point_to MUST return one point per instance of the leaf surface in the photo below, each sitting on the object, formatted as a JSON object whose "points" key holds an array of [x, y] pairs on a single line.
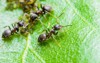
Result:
{"points": [[78, 43]]}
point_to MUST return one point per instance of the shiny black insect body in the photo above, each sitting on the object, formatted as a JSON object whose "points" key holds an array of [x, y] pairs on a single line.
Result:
{"points": [[9, 32], [53, 31], [36, 14], [6, 33], [45, 9]]}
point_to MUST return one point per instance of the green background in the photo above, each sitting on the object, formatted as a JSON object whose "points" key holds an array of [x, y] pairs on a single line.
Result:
{"points": [[79, 43]]}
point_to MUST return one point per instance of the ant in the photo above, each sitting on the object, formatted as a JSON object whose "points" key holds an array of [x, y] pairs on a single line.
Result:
{"points": [[9, 32], [45, 9], [53, 31]]}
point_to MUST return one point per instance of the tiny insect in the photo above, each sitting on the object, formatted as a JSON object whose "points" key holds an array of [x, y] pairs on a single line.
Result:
{"points": [[30, 2], [54, 31], [9, 32], [27, 5]]}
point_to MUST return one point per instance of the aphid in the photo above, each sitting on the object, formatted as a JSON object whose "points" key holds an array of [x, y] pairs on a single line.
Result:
{"points": [[26, 8], [53, 31], [25, 29], [27, 2], [27, 5], [30, 1]]}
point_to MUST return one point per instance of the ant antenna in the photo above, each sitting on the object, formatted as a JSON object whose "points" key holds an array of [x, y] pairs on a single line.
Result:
{"points": [[56, 41], [57, 20], [66, 25], [62, 12], [41, 23]]}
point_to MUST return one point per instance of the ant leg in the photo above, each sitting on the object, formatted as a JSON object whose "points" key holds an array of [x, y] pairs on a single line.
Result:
{"points": [[41, 5], [47, 30], [45, 17], [56, 41], [42, 9], [42, 23], [57, 20], [13, 25], [37, 8], [55, 33], [26, 16], [8, 27]]}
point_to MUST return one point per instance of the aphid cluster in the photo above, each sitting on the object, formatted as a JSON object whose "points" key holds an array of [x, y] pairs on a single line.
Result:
{"points": [[33, 16], [26, 5], [22, 27]]}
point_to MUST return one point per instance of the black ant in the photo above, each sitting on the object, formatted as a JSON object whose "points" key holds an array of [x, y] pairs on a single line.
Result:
{"points": [[9, 32], [45, 9], [53, 31]]}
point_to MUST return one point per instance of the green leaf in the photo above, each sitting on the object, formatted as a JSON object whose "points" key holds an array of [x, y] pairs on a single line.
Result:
{"points": [[78, 43]]}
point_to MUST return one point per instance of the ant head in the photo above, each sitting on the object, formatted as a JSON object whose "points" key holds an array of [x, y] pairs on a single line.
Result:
{"points": [[47, 8], [42, 38], [57, 27], [21, 23], [33, 16], [6, 33]]}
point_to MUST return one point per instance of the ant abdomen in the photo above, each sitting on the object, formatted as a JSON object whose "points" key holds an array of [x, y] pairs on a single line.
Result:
{"points": [[42, 37], [6, 33]]}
